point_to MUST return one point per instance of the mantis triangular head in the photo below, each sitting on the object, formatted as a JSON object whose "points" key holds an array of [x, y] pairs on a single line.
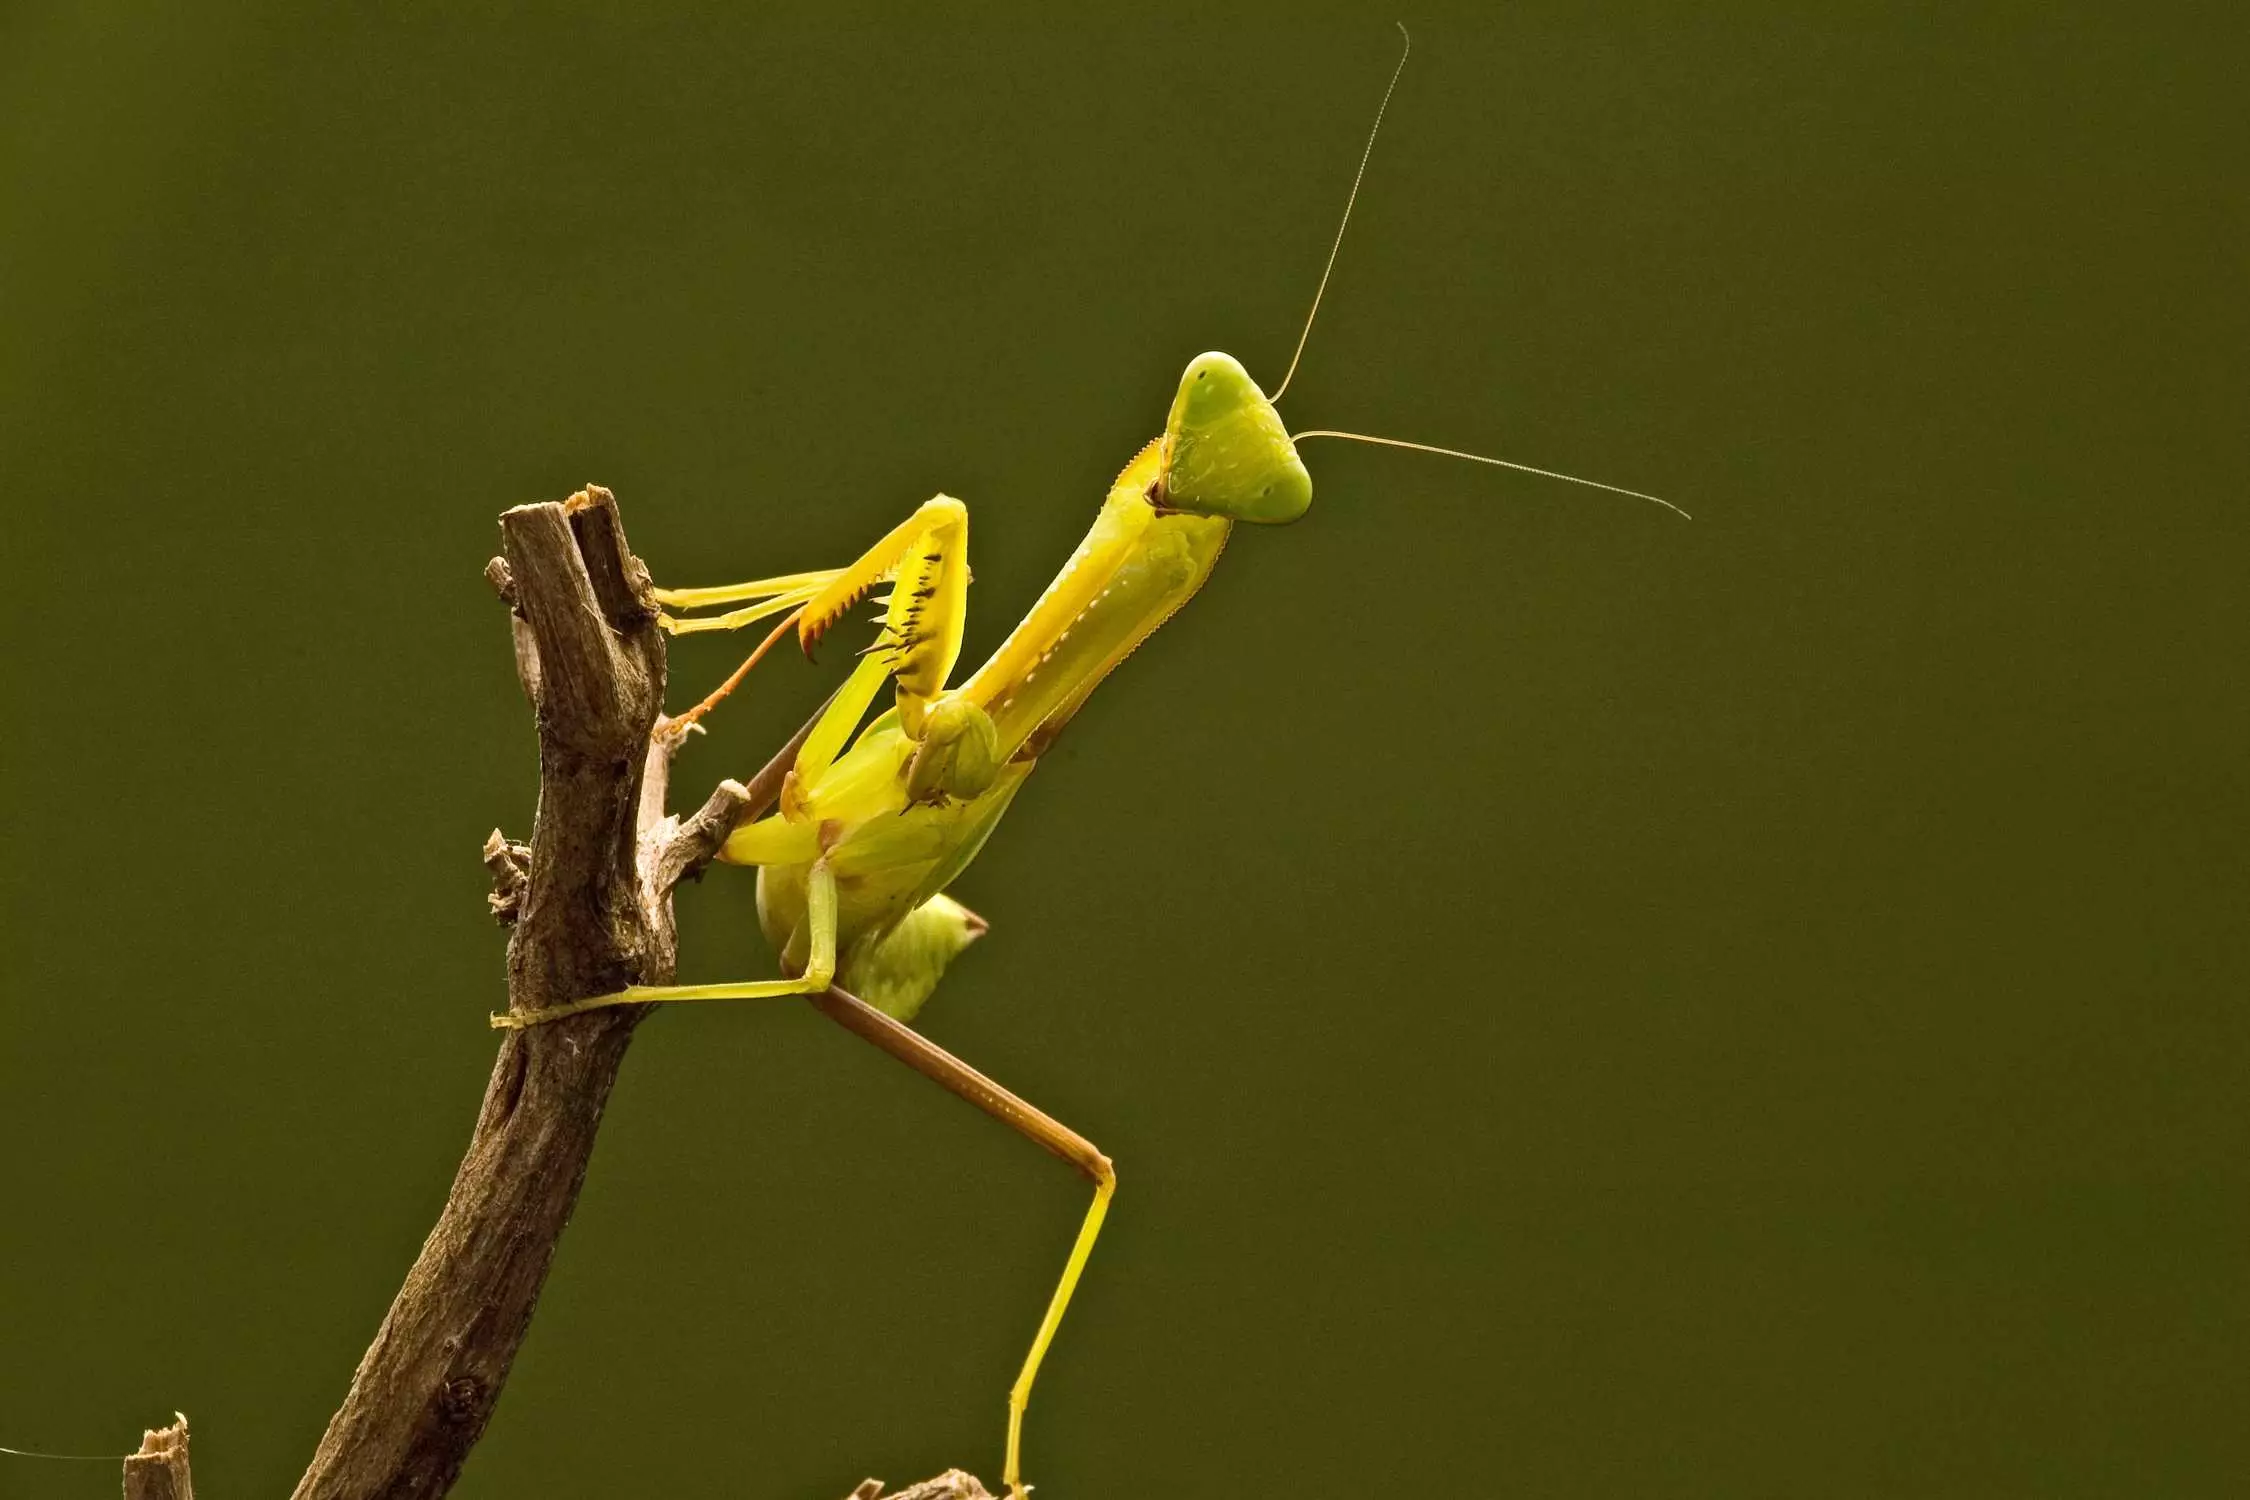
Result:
{"points": [[1226, 452]]}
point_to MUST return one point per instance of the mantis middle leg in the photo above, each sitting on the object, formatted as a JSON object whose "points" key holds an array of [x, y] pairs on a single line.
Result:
{"points": [[769, 840], [819, 969]]}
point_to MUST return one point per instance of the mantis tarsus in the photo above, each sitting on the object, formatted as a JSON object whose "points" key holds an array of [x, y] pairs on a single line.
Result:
{"points": [[874, 826]]}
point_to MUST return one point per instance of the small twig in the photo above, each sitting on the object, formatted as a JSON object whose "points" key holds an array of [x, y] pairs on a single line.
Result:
{"points": [[510, 867], [159, 1471], [696, 842]]}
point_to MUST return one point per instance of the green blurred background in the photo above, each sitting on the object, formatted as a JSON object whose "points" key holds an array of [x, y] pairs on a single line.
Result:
{"points": [[1583, 1003]]}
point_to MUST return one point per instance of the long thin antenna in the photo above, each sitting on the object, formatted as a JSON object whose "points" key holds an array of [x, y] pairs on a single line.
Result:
{"points": [[1498, 463], [1406, 45], [69, 1458]]}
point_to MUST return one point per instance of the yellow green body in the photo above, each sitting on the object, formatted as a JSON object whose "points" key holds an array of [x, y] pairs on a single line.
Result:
{"points": [[893, 817], [893, 846], [875, 823]]}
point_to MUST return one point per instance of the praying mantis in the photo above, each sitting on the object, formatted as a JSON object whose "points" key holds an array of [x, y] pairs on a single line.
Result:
{"points": [[875, 823]]}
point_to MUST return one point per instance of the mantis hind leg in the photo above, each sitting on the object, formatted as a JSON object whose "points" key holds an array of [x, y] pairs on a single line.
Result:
{"points": [[1019, 1394], [819, 969], [1028, 1120]]}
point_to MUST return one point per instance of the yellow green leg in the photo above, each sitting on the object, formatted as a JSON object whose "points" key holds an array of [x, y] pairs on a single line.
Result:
{"points": [[849, 706], [805, 584], [820, 968], [1019, 1395], [733, 619], [779, 595], [1026, 1119], [925, 559]]}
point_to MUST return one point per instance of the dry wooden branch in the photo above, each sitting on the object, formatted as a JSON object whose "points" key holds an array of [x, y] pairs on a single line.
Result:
{"points": [[587, 919], [589, 905], [590, 908]]}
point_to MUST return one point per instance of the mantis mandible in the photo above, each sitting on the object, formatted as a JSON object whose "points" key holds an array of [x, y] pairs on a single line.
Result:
{"points": [[873, 827]]}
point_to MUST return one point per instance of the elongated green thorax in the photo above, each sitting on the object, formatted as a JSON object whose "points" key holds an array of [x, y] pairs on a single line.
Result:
{"points": [[1226, 450]]}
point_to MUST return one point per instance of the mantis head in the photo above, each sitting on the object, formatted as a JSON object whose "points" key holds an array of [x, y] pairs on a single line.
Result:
{"points": [[1226, 452]]}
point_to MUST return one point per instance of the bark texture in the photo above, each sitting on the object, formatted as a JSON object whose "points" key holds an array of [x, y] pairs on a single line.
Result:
{"points": [[589, 915], [588, 902]]}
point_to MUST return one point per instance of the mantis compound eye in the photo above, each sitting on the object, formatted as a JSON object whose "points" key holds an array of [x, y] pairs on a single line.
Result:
{"points": [[1228, 452]]}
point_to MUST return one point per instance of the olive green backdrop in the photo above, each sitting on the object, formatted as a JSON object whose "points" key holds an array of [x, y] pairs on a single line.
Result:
{"points": [[1584, 1003]]}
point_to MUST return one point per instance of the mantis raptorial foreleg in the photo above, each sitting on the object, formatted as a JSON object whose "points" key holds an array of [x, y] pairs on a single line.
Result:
{"points": [[925, 560]]}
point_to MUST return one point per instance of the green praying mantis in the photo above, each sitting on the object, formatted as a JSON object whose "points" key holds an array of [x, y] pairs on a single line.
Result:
{"points": [[876, 823]]}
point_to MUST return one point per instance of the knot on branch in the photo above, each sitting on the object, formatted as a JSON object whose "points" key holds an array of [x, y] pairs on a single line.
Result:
{"points": [[510, 864]]}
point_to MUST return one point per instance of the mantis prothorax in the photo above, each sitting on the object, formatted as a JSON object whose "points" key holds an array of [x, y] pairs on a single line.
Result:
{"points": [[872, 828]]}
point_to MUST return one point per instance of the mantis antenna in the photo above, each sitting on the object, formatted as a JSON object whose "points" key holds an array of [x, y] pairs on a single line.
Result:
{"points": [[69, 1458], [1406, 45], [1498, 463]]}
